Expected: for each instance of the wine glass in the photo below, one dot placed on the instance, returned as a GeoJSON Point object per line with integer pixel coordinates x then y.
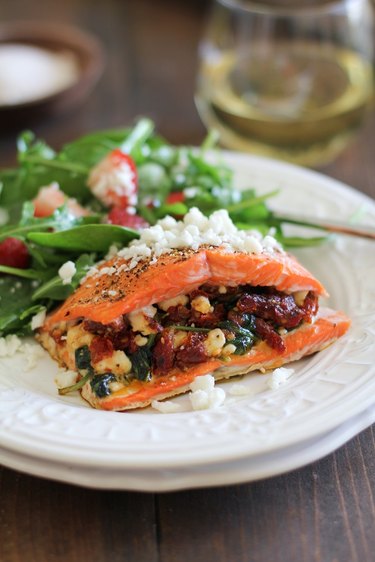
{"type": "Point", "coordinates": [287, 79]}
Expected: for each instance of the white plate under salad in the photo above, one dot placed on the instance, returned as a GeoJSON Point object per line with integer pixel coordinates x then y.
{"type": "Point", "coordinates": [325, 390]}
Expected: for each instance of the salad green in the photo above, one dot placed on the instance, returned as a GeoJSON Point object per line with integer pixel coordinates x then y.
{"type": "Point", "coordinates": [171, 180]}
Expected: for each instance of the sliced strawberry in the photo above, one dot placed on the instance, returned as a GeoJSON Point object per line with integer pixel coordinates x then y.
{"type": "Point", "coordinates": [51, 197]}
{"type": "Point", "coordinates": [14, 253]}
{"type": "Point", "coordinates": [114, 180]}
{"type": "Point", "coordinates": [123, 218]}
{"type": "Point", "coordinates": [48, 200]}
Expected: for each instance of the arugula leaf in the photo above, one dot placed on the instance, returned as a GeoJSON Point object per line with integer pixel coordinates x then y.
{"type": "Point", "coordinates": [220, 173]}
{"type": "Point", "coordinates": [28, 144]}
{"type": "Point", "coordinates": [56, 290]}
{"type": "Point", "coordinates": [153, 180]}
{"type": "Point", "coordinates": [137, 137]}
{"type": "Point", "coordinates": [25, 273]}
{"type": "Point", "coordinates": [91, 148]}
{"type": "Point", "coordinates": [15, 303]}
{"type": "Point", "coordinates": [61, 219]}
{"type": "Point", "coordinates": [165, 155]}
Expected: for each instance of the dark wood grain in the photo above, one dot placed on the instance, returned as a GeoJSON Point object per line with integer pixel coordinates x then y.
{"type": "Point", "coordinates": [321, 513]}
{"type": "Point", "coordinates": [49, 522]}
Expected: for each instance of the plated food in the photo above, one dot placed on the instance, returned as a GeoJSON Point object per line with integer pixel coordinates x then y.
{"type": "Point", "coordinates": [188, 298]}
{"type": "Point", "coordinates": [158, 284]}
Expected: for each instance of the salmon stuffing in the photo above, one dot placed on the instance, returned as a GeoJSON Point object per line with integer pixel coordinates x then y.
{"type": "Point", "coordinates": [143, 328]}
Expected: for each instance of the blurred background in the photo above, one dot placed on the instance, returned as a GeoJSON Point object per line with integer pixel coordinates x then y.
{"type": "Point", "coordinates": [150, 51]}
{"type": "Point", "coordinates": [150, 68]}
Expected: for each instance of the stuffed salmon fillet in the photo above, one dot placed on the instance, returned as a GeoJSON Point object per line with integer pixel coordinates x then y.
{"type": "Point", "coordinates": [189, 298]}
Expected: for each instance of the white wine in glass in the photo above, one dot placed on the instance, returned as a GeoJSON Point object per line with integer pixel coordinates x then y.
{"type": "Point", "coordinates": [288, 80]}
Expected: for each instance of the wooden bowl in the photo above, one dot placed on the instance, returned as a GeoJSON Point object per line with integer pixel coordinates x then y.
{"type": "Point", "coordinates": [54, 37]}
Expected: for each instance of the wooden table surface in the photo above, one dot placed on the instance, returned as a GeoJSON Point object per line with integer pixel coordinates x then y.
{"type": "Point", "coordinates": [323, 512]}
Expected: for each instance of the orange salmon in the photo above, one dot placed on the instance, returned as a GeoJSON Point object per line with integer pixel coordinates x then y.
{"type": "Point", "coordinates": [103, 298]}
{"type": "Point", "coordinates": [132, 327]}
{"type": "Point", "coordinates": [310, 338]}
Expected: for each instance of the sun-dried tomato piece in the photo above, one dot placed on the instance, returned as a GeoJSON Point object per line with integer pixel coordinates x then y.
{"type": "Point", "coordinates": [281, 309]}
{"type": "Point", "coordinates": [209, 320]}
{"type": "Point", "coordinates": [266, 332]}
{"type": "Point", "coordinates": [100, 348]}
{"type": "Point", "coordinates": [310, 306]}
{"type": "Point", "coordinates": [193, 350]}
{"type": "Point", "coordinates": [178, 314]}
{"type": "Point", "coordinates": [163, 353]}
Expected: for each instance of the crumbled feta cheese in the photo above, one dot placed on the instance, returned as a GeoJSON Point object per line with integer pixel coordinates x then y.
{"type": "Point", "coordinates": [202, 400]}
{"type": "Point", "coordinates": [166, 407]}
{"type": "Point", "coordinates": [199, 400]}
{"type": "Point", "coordinates": [65, 378]}
{"type": "Point", "coordinates": [204, 394]}
{"type": "Point", "coordinates": [214, 342]}
{"type": "Point", "coordinates": [93, 270]}
{"type": "Point", "coordinates": [113, 249]}
{"type": "Point", "coordinates": [228, 349]}
{"type": "Point", "coordinates": [279, 377]}
{"type": "Point", "coordinates": [9, 345]}
{"type": "Point", "coordinates": [77, 337]}
{"type": "Point", "coordinates": [270, 243]}
{"type": "Point", "coordinates": [140, 340]}
{"type": "Point", "coordinates": [139, 320]}
{"type": "Point", "coordinates": [38, 319]}
{"type": "Point", "coordinates": [180, 300]}
{"type": "Point", "coordinates": [204, 382]}
{"type": "Point", "coordinates": [118, 364]}
{"type": "Point", "coordinates": [107, 271]}
{"type": "Point", "coordinates": [179, 338]}
{"type": "Point", "coordinates": [114, 386]}
{"type": "Point", "coordinates": [201, 304]}
{"type": "Point", "coordinates": [67, 272]}
{"type": "Point", "coordinates": [192, 232]}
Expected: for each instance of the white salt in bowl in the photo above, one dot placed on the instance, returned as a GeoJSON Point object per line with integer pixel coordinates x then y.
{"type": "Point", "coordinates": [45, 68]}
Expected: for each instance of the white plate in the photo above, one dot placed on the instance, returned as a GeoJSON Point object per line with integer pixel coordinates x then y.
{"type": "Point", "coordinates": [325, 391]}
{"type": "Point", "coordinates": [246, 469]}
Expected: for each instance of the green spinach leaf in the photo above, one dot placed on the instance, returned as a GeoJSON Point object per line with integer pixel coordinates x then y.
{"type": "Point", "coordinates": [85, 238]}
